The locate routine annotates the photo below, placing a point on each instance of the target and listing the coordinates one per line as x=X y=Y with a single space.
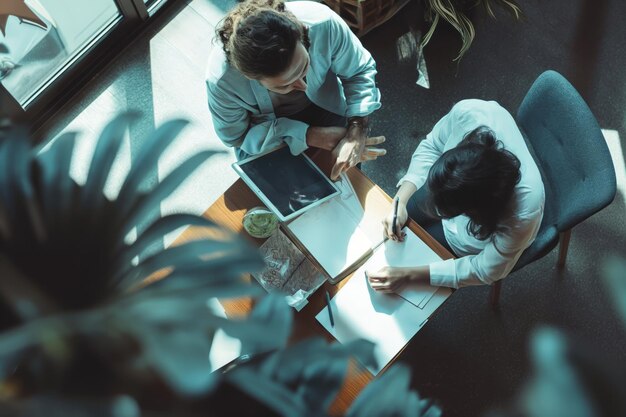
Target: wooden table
x=229 y=210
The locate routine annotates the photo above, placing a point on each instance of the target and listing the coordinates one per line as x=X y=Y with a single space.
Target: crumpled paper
x=409 y=49
x=298 y=300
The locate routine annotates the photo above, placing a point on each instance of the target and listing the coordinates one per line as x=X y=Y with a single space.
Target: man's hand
x=325 y=137
x=355 y=147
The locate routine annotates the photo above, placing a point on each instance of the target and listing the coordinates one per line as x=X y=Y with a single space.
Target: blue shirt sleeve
x=355 y=67
x=232 y=124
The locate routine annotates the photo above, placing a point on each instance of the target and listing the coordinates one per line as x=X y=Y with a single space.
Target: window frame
x=68 y=80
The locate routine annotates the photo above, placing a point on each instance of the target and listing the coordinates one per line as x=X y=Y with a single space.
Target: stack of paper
x=389 y=321
x=333 y=232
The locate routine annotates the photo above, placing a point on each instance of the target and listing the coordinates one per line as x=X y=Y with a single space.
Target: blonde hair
x=259 y=37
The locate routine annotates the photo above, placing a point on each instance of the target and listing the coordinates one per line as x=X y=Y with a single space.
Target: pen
x=395 y=214
x=330 y=310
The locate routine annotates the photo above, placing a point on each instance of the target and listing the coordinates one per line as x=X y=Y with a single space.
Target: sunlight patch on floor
x=617 y=155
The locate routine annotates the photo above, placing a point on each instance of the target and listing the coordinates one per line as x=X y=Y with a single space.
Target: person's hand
x=389 y=279
x=325 y=137
x=401 y=219
x=355 y=147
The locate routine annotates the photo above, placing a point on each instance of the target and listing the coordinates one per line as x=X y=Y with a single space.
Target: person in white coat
x=474 y=186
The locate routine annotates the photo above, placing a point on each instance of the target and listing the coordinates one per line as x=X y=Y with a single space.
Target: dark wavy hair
x=476 y=178
x=259 y=37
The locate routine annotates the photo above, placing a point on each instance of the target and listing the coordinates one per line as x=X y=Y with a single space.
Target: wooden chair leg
x=495 y=294
x=563 y=246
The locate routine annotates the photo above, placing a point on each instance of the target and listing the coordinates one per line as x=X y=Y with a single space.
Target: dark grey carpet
x=468 y=357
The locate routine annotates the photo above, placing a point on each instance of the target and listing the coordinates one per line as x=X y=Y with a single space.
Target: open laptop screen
x=289 y=185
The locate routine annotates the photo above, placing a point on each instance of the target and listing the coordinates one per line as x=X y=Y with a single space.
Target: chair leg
x=563 y=246
x=495 y=294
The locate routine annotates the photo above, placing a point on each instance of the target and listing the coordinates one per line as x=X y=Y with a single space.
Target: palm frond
x=195 y=254
x=511 y=6
x=615 y=281
x=308 y=375
x=448 y=12
x=60 y=406
x=390 y=395
x=104 y=325
x=157 y=230
x=148 y=205
x=269 y=392
x=277 y=319
x=144 y=162
x=54 y=165
x=104 y=154
x=96 y=312
x=452 y=12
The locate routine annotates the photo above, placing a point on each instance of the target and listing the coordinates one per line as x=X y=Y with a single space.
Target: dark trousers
x=312 y=115
x=431 y=224
x=317 y=116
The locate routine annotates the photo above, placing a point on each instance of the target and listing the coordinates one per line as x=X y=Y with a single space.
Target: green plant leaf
x=145 y=161
x=157 y=230
x=389 y=395
x=363 y=350
x=274 y=395
x=322 y=380
x=64 y=406
x=149 y=204
x=323 y=376
x=224 y=284
x=106 y=150
x=181 y=355
x=615 y=282
x=7 y=179
x=186 y=255
x=274 y=315
x=287 y=365
x=56 y=184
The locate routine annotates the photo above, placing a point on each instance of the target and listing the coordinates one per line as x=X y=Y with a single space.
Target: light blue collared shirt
x=340 y=79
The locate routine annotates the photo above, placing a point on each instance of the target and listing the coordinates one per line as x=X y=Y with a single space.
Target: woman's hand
x=389 y=279
x=401 y=219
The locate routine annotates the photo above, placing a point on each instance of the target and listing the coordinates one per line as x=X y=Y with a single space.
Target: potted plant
x=454 y=12
x=96 y=323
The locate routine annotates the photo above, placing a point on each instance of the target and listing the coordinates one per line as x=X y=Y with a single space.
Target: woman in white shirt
x=483 y=191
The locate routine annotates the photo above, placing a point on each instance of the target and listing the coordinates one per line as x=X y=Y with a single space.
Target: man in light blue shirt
x=292 y=73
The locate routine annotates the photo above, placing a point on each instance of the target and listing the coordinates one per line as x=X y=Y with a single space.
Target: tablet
x=288 y=185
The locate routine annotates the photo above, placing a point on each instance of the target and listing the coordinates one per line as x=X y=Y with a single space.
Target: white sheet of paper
x=389 y=321
x=371 y=224
x=331 y=231
x=412 y=252
x=224 y=348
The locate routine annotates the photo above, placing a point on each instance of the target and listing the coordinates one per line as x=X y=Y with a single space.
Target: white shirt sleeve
x=500 y=254
x=494 y=262
x=428 y=151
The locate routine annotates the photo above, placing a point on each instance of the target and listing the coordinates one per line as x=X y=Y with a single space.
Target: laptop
x=288 y=185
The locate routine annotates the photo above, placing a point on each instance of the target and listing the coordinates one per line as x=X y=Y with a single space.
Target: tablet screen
x=290 y=183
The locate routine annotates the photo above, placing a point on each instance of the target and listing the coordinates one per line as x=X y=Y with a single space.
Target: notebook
x=337 y=234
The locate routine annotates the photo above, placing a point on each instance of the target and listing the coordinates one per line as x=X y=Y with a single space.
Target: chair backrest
x=572 y=155
x=570 y=149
